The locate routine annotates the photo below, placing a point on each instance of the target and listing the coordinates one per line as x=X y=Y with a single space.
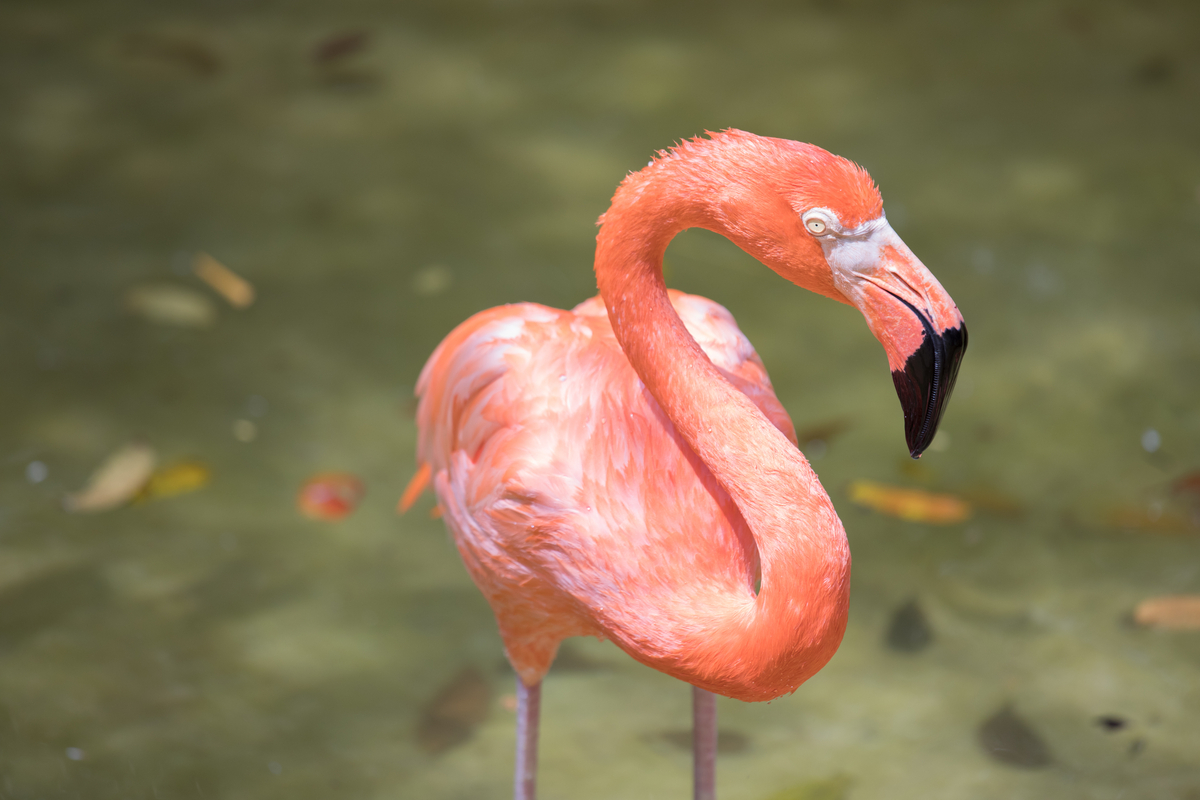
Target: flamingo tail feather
x=418 y=484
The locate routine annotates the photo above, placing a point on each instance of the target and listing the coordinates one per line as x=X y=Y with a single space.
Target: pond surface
x=379 y=172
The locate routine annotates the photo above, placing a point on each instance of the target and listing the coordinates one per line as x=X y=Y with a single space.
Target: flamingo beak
x=910 y=314
x=927 y=378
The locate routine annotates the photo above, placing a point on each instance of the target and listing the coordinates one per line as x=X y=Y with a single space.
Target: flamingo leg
x=529 y=707
x=704 y=744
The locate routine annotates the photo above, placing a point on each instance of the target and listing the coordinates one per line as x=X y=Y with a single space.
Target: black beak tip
x=926 y=382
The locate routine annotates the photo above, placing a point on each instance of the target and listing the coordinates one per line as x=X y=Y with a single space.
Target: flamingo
x=624 y=470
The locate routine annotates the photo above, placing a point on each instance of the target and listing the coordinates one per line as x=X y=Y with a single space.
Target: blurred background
x=232 y=232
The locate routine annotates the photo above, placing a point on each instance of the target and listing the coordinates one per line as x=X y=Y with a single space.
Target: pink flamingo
x=624 y=470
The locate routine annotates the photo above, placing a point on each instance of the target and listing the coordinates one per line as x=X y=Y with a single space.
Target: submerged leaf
x=909 y=630
x=1008 y=738
x=455 y=711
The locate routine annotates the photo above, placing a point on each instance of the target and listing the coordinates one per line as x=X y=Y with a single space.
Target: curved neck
x=787 y=632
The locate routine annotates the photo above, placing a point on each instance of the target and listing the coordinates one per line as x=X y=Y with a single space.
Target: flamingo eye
x=821 y=221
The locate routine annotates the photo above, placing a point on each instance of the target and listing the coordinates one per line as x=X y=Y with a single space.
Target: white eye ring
x=821 y=222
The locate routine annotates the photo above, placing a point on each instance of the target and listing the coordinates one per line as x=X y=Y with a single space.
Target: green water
x=1041 y=158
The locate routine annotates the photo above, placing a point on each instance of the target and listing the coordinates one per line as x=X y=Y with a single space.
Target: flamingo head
x=838 y=242
x=816 y=219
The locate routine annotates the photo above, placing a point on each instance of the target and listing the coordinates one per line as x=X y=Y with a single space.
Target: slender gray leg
x=529 y=707
x=704 y=743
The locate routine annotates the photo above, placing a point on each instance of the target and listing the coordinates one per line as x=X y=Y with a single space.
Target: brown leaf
x=1180 y=612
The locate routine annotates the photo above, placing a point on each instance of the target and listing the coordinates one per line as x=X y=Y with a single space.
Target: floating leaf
x=330 y=495
x=178 y=478
x=224 y=281
x=116 y=481
x=169 y=304
x=910 y=504
x=1180 y=612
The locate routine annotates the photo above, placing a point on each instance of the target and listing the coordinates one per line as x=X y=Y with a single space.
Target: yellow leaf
x=913 y=505
x=224 y=281
x=178 y=478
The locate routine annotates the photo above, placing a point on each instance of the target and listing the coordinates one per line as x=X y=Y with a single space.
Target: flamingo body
x=624 y=470
x=577 y=507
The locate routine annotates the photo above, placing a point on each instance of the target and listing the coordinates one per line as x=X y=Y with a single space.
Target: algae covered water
x=378 y=172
